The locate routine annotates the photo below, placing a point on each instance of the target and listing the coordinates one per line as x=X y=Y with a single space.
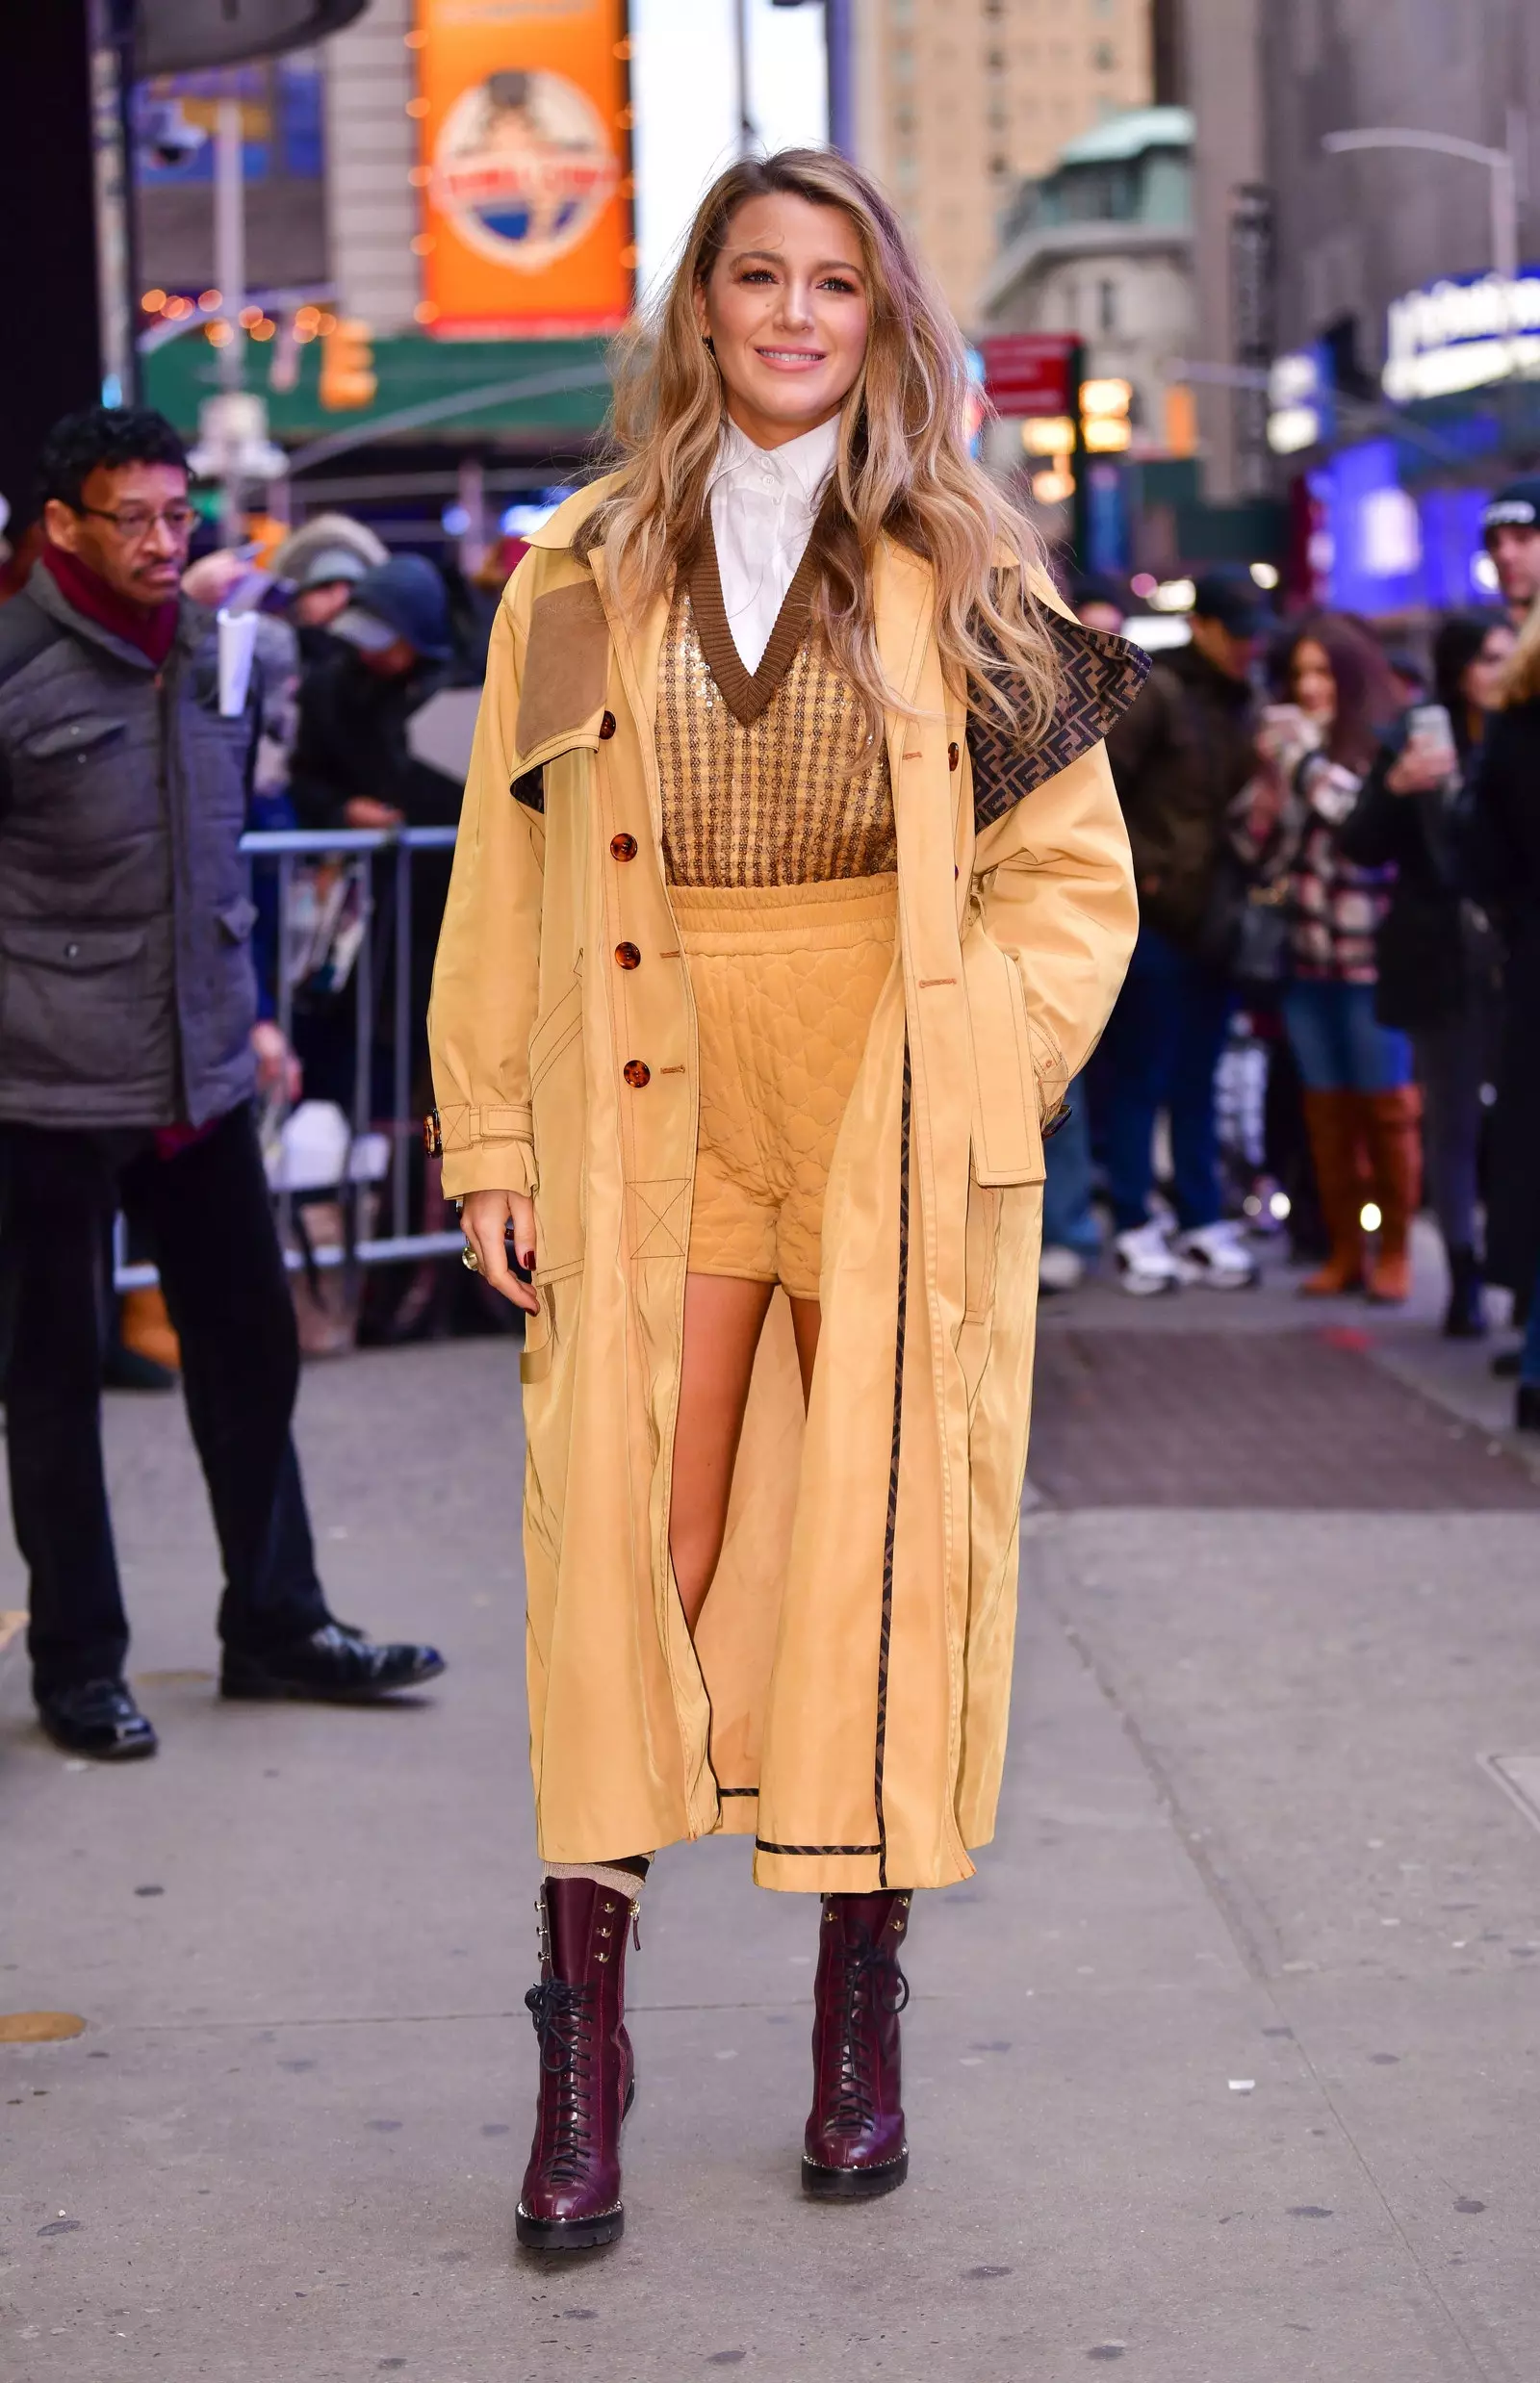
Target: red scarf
x=153 y=631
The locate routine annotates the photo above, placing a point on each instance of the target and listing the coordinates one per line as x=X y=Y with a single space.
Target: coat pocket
x=1006 y=1123
x=71 y=1001
x=73 y=740
x=534 y=1363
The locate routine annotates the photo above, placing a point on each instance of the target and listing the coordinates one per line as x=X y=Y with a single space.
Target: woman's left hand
x=1421 y=769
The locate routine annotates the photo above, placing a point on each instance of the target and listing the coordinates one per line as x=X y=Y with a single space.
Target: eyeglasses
x=136 y=521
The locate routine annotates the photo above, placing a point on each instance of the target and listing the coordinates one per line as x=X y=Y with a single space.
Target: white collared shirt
x=764 y=501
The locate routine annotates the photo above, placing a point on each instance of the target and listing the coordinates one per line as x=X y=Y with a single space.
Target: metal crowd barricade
x=287 y=846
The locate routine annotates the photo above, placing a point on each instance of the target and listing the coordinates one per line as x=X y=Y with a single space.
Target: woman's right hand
x=484 y=1218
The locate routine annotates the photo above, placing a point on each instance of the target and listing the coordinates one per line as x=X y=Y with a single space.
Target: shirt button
x=953 y=754
x=71 y=951
x=636 y=1073
x=606 y=726
x=622 y=846
x=627 y=955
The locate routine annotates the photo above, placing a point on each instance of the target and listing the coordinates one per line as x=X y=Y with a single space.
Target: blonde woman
x=791 y=890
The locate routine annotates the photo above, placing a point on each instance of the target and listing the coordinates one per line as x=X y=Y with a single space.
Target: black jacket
x=1429 y=952
x=1502 y=862
x=1180 y=755
x=353 y=741
x=127 y=991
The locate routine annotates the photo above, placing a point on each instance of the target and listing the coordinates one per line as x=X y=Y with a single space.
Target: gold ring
x=468 y=1260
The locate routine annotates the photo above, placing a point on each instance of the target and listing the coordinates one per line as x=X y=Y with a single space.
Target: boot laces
x=563 y=2023
x=874 y=1979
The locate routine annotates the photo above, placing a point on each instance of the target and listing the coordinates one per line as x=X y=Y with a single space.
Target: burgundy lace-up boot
x=855 y=2146
x=571 y=2199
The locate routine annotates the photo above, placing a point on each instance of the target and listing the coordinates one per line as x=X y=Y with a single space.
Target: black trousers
x=207 y=1219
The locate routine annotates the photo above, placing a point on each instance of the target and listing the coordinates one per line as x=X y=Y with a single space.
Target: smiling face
x=786 y=309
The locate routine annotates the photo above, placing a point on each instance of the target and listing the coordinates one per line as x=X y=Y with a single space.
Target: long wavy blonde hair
x=903 y=465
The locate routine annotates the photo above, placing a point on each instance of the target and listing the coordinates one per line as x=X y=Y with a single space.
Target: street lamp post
x=838 y=45
x=1500 y=165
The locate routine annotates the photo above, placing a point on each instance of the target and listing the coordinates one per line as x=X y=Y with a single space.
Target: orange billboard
x=524 y=166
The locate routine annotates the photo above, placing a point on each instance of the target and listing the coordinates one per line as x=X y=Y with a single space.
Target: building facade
x=1102 y=245
x=1406 y=298
x=959 y=100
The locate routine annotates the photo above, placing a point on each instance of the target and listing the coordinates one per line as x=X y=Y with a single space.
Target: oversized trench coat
x=844 y=1700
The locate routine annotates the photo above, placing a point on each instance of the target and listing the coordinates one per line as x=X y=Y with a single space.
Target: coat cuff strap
x=486 y=1149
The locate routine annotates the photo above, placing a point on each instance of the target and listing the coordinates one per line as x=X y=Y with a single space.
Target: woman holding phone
x=791 y=890
x=1436 y=956
x=1361 y=1105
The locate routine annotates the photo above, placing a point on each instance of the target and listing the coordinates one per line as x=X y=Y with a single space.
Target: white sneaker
x=1216 y=1254
x=1060 y=1268
x=1145 y=1264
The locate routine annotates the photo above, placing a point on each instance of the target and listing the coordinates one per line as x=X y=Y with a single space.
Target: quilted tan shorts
x=786 y=979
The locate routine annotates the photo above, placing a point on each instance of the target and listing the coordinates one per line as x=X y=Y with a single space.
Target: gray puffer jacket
x=127 y=991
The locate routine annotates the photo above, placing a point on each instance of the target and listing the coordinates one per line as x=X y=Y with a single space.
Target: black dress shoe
x=99 y=1718
x=335 y=1665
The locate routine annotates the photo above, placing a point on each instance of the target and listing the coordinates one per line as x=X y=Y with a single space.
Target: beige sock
x=624 y=1883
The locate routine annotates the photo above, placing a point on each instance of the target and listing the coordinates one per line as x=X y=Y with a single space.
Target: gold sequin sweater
x=767 y=778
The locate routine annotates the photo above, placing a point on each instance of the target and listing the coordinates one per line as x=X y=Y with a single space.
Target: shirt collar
x=802 y=466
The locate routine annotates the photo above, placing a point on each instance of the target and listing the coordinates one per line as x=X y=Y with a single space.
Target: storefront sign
x=525 y=167
x=1461 y=335
x=1030 y=373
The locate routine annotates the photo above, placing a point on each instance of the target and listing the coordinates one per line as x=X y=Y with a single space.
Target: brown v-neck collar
x=746 y=693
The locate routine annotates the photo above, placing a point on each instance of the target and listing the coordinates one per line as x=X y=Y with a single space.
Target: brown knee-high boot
x=570 y=2199
x=1338 y=1129
x=1396 y=1155
x=854 y=2147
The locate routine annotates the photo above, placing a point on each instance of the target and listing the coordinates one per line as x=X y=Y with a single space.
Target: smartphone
x=1429 y=725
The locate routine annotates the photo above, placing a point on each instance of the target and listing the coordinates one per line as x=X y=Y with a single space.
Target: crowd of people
x=1337 y=841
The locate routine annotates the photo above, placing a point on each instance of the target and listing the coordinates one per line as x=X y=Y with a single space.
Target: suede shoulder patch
x=566 y=664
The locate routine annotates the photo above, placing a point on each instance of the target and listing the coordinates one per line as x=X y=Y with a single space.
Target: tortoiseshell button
x=622 y=846
x=606 y=726
x=636 y=1073
x=627 y=955
x=953 y=754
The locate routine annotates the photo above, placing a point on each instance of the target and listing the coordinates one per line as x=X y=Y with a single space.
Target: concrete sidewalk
x=1246 y=1843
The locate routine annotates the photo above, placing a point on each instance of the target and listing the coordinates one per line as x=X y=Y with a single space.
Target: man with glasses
x=130 y=1049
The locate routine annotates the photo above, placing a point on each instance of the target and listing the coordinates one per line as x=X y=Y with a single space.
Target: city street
x=1223 y=2068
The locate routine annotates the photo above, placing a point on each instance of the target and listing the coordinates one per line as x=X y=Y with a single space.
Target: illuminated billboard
x=524 y=166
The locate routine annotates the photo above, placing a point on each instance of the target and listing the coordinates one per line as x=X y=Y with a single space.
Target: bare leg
x=723 y=1320
x=805 y=1317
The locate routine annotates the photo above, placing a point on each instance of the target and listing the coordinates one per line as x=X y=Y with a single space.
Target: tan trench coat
x=845 y=1701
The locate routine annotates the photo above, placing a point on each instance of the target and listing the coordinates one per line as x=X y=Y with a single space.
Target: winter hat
x=403 y=597
x=1514 y=507
x=332 y=547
